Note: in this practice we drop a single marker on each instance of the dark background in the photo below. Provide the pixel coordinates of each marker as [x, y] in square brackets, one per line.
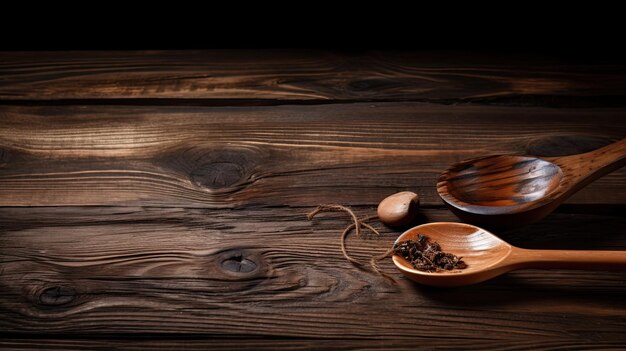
[578, 34]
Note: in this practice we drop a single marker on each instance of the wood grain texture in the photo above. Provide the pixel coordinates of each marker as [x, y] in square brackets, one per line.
[153, 200]
[104, 270]
[275, 156]
[308, 76]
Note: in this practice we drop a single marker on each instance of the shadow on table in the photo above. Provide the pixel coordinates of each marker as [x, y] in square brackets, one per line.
[532, 289]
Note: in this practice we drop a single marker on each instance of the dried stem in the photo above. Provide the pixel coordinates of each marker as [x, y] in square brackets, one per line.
[374, 263]
[343, 246]
[357, 223]
[336, 208]
[369, 218]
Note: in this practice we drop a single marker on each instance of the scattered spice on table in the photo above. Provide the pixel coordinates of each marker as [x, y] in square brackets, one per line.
[427, 256]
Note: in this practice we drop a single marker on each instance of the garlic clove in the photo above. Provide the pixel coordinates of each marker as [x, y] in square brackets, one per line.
[398, 209]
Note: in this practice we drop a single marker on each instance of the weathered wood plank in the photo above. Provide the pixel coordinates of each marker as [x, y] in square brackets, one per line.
[307, 76]
[271, 273]
[159, 343]
[260, 276]
[280, 155]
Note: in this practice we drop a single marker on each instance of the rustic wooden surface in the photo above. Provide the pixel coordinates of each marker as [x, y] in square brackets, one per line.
[158, 200]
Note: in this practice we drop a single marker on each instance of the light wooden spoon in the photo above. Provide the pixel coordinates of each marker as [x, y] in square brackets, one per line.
[508, 190]
[488, 256]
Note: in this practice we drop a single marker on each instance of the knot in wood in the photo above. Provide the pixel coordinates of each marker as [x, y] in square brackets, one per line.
[221, 168]
[238, 263]
[218, 175]
[57, 295]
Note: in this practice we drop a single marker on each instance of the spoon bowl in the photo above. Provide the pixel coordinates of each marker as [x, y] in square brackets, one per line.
[512, 190]
[480, 250]
[488, 256]
[519, 180]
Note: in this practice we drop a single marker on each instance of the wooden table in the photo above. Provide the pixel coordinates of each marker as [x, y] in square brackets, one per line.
[158, 199]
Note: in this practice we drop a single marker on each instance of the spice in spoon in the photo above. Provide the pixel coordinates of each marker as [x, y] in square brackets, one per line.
[426, 255]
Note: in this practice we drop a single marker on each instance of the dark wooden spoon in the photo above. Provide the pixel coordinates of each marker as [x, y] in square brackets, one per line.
[488, 256]
[513, 190]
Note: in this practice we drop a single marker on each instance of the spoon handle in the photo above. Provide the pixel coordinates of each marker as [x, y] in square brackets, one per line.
[569, 259]
[587, 167]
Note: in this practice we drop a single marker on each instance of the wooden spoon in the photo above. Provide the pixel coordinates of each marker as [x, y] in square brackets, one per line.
[488, 256]
[518, 190]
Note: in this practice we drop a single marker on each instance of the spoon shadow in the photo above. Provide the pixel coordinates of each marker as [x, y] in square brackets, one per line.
[573, 228]
[533, 290]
